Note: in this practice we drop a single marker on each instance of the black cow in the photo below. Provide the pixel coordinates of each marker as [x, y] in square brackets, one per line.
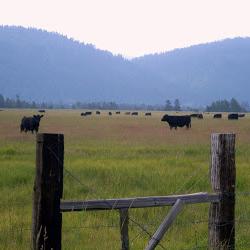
[148, 114]
[177, 121]
[110, 113]
[134, 113]
[233, 116]
[86, 113]
[41, 110]
[118, 112]
[241, 115]
[30, 123]
[98, 112]
[217, 115]
[199, 116]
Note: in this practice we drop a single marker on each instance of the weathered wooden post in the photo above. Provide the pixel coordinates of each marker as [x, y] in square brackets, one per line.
[124, 228]
[223, 172]
[48, 188]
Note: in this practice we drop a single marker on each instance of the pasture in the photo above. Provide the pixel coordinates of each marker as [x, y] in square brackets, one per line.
[120, 156]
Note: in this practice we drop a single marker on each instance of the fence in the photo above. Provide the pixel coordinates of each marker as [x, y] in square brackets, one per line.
[48, 206]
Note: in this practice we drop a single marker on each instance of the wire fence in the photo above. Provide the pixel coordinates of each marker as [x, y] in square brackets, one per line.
[148, 228]
[145, 228]
[192, 178]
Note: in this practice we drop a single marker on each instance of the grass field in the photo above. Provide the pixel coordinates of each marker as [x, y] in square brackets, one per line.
[120, 156]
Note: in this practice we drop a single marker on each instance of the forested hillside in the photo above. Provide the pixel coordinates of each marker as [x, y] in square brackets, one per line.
[41, 66]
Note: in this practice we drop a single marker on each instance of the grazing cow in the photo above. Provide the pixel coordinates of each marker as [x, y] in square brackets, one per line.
[127, 113]
[41, 110]
[86, 113]
[134, 113]
[30, 123]
[177, 121]
[110, 113]
[199, 116]
[217, 115]
[98, 112]
[233, 116]
[148, 114]
[241, 115]
[118, 112]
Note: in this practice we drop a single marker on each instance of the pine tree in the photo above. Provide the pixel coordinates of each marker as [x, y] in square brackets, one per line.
[168, 105]
[2, 101]
[177, 106]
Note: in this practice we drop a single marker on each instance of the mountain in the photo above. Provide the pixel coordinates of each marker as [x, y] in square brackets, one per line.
[205, 72]
[42, 66]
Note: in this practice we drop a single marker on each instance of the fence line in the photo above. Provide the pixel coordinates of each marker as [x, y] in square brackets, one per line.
[49, 186]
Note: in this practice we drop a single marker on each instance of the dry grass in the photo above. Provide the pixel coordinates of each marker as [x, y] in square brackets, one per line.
[121, 128]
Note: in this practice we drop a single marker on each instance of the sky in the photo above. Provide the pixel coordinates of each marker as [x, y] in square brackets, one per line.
[133, 27]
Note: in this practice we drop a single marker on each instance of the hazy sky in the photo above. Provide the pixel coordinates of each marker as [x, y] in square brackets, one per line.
[133, 27]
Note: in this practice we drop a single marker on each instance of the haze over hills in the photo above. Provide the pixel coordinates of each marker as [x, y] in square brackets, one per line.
[43, 66]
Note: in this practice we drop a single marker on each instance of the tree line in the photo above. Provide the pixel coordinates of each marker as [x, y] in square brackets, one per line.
[17, 102]
[6, 102]
[227, 106]
[217, 106]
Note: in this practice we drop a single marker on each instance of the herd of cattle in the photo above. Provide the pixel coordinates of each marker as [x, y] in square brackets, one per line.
[116, 112]
[32, 123]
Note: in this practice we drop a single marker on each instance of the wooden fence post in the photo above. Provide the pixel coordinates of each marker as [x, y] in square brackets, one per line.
[223, 172]
[124, 228]
[48, 188]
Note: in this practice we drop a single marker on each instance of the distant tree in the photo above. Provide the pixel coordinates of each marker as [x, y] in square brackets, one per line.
[168, 105]
[9, 103]
[235, 106]
[18, 103]
[2, 101]
[43, 105]
[33, 105]
[177, 105]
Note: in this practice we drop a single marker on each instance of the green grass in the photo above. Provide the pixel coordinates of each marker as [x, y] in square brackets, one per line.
[116, 157]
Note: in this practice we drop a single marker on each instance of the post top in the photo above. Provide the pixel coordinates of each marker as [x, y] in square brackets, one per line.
[223, 133]
[41, 137]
